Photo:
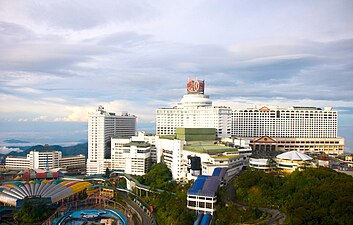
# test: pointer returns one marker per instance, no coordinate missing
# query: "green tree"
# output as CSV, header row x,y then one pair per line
x,y
107,172
171,209
32,213
311,196
229,214
159,176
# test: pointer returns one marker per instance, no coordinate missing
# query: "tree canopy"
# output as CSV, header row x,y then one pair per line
x,y
159,176
31,213
169,207
311,196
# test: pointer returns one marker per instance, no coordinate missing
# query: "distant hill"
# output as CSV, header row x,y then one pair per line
x,y
14,141
66,151
75,149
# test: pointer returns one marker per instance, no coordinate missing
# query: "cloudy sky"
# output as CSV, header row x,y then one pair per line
x,y
60,59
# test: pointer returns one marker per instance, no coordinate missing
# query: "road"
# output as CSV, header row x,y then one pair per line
x,y
277,217
144,216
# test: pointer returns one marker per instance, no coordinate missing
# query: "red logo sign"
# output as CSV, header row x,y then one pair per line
x,y
193,86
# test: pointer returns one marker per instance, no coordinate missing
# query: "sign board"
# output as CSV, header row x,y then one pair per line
x,y
195,86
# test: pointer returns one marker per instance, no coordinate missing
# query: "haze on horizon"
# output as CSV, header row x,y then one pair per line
x,y
59,60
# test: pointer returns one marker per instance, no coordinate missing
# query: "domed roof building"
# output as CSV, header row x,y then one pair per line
x,y
194,100
290,161
195,110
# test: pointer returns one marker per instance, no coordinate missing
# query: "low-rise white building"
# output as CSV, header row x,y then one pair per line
x,y
290,161
131,155
259,163
232,161
45,160
15,162
176,151
73,163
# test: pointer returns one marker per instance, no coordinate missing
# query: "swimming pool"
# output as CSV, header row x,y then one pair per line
x,y
93,216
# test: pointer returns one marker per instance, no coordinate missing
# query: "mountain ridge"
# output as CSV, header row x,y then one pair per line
x,y
77,149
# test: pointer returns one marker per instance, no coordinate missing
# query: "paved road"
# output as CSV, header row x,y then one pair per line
x,y
144,216
277,217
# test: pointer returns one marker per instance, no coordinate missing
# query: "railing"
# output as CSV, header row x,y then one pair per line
x,y
97,202
145,208
139,202
100,201
137,183
58,213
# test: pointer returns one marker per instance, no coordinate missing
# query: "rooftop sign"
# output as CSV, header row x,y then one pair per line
x,y
195,86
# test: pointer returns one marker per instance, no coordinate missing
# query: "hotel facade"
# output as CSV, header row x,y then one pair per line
x,y
306,129
102,126
195,110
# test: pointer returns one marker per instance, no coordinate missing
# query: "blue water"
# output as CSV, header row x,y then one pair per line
x,y
80,216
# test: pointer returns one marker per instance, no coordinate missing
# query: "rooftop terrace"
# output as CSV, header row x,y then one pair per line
x,y
140,144
169,137
227,156
209,148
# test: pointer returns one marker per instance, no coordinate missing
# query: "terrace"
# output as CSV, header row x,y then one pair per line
x,y
140,144
209,148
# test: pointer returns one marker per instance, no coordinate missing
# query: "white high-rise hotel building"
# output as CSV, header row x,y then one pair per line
x,y
306,129
294,128
292,122
102,126
195,110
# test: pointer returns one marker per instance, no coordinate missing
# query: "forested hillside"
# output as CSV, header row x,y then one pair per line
x,y
312,196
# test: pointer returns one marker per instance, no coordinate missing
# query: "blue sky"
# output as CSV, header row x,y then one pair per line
x,y
60,59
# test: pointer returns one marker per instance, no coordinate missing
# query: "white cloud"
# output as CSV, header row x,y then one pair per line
x,y
40,118
27,90
21,79
76,114
59,60
80,114
4,150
